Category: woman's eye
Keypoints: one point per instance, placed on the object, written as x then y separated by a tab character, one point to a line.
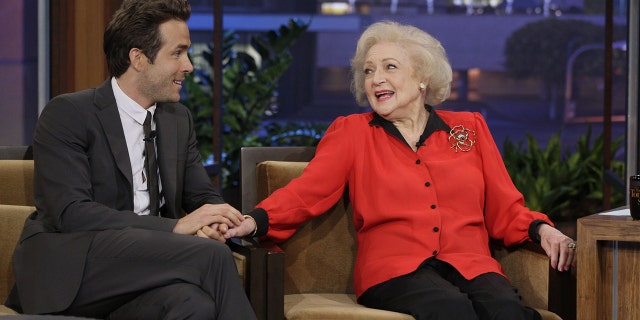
391	66
368	71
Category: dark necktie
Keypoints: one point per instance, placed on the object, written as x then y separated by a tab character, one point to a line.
151	165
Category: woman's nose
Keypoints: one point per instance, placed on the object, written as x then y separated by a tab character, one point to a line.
378	78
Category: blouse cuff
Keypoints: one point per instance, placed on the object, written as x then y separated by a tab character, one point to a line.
533	230
262	221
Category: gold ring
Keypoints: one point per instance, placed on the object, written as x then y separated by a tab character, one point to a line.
572	245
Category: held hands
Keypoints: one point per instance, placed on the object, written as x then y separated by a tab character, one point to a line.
560	248
210	221
222	232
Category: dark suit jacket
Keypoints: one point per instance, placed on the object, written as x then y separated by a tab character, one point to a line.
83	184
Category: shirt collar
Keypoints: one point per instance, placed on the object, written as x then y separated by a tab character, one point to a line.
128	105
434	123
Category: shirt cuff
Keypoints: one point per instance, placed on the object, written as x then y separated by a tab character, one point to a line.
533	230
262	221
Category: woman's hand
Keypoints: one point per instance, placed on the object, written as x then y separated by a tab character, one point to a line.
560	249
247	227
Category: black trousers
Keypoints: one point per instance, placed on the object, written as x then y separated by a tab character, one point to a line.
145	274
436	290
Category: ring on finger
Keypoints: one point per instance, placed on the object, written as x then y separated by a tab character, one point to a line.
572	246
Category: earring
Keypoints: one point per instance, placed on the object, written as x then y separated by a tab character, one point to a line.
422	86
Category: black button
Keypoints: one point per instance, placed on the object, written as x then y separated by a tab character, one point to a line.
435	252
436	229
427	184
418	161
433	206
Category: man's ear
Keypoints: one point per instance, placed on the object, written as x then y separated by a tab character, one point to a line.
137	58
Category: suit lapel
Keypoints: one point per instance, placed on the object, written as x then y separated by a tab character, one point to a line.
109	117
167	146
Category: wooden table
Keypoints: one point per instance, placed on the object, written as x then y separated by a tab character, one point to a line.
608	268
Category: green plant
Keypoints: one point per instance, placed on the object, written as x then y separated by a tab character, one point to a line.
249	92
564	184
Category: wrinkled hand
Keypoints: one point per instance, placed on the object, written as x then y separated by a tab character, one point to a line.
209	221
246	228
556	245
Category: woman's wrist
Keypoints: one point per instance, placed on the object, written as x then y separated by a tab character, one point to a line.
255	225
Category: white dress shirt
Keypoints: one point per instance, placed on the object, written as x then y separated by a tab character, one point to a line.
132	116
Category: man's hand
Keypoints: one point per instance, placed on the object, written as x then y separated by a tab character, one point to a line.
560	248
209	221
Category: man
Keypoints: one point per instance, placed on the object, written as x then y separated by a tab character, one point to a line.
102	244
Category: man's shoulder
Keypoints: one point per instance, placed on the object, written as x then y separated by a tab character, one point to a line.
99	94
173	108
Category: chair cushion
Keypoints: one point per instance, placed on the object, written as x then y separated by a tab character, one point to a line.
5	311
310	306
333	306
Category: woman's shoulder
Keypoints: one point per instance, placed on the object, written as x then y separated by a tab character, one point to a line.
353	120
450	117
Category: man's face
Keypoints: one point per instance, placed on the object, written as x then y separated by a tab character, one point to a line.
161	80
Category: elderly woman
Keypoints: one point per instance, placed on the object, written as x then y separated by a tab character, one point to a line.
428	189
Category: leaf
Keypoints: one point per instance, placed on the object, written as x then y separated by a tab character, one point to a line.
566	184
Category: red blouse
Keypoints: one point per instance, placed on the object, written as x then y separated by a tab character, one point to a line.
408	206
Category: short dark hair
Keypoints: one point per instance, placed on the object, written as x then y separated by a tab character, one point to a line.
136	25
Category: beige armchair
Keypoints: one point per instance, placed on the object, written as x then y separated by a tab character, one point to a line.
310	275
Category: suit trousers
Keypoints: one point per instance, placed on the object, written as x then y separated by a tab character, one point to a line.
436	290
147	274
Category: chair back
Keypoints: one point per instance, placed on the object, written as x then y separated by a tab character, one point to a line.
251	156
16	153
16	182
319	257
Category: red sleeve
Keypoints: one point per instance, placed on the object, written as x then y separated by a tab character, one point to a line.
506	216
320	186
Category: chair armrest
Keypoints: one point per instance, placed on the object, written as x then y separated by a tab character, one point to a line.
528	268
263	275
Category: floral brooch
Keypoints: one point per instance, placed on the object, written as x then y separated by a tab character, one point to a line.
462	138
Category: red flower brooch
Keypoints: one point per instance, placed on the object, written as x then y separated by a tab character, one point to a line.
462	138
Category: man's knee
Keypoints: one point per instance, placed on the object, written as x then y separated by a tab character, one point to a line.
171	302
191	302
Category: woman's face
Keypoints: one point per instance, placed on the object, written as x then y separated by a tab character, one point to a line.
391	86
